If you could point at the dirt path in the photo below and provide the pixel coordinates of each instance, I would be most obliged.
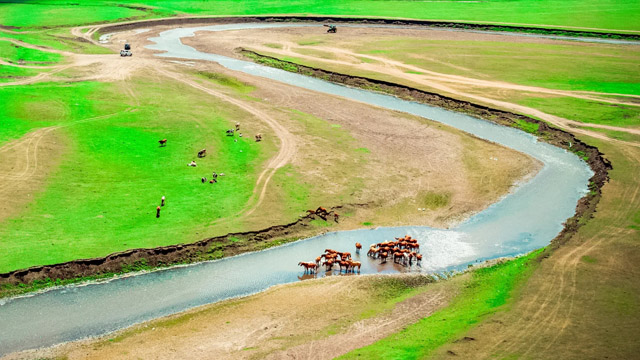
(286, 150)
(433, 75)
(393, 68)
(88, 35)
(44, 67)
(36, 47)
(366, 332)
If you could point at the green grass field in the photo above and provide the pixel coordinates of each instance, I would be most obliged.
(21, 55)
(11, 73)
(103, 196)
(559, 65)
(613, 69)
(608, 14)
(487, 292)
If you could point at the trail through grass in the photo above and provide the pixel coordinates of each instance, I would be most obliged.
(21, 55)
(103, 196)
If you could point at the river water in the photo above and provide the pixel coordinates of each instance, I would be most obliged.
(526, 219)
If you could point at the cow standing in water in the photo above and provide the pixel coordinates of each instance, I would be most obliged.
(158, 212)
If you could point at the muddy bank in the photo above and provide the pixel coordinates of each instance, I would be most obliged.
(597, 162)
(138, 259)
(358, 20)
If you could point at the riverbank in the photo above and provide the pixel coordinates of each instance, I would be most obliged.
(590, 154)
(364, 309)
(40, 277)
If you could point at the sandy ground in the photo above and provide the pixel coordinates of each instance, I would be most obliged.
(318, 319)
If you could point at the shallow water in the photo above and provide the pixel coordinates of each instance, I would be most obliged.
(524, 220)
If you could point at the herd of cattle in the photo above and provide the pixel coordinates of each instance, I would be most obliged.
(403, 251)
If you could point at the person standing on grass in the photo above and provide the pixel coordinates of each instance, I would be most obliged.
(158, 212)
(162, 201)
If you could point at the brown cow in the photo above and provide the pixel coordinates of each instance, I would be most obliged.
(163, 142)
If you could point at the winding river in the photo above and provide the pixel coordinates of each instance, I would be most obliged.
(526, 219)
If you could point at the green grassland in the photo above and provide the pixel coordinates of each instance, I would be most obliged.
(587, 111)
(11, 73)
(102, 198)
(603, 68)
(21, 55)
(486, 292)
(56, 38)
(30, 14)
(558, 65)
(607, 14)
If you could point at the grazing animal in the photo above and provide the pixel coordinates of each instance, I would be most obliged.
(204, 179)
(373, 251)
(328, 264)
(318, 260)
(358, 247)
(163, 142)
(383, 257)
(258, 137)
(230, 132)
(192, 163)
(162, 201)
(407, 257)
(202, 153)
(308, 267)
(237, 126)
(354, 265)
(397, 256)
(321, 210)
(214, 175)
(418, 259)
(158, 212)
(336, 216)
(344, 264)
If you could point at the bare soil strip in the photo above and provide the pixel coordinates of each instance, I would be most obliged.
(297, 323)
